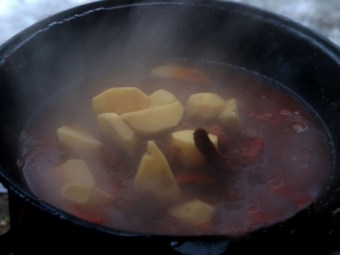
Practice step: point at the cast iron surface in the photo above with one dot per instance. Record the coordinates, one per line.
(32, 67)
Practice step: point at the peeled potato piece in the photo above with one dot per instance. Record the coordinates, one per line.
(116, 130)
(76, 171)
(154, 175)
(193, 212)
(153, 121)
(186, 151)
(161, 97)
(229, 116)
(204, 106)
(86, 197)
(78, 142)
(180, 73)
(120, 100)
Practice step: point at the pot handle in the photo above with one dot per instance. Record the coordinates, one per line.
(201, 247)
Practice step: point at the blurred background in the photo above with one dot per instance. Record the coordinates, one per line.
(15, 15)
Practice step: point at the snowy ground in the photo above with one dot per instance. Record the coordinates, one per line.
(15, 15)
(321, 16)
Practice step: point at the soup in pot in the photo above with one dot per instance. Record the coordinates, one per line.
(177, 150)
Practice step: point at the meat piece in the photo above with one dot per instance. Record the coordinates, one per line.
(205, 146)
(214, 158)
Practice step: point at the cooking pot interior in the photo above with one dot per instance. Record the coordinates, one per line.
(55, 52)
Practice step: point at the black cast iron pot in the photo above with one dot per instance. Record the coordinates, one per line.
(102, 34)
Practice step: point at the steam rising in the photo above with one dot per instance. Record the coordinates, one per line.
(150, 34)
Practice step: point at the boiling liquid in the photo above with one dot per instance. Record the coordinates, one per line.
(295, 165)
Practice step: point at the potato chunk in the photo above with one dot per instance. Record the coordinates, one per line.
(120, 100)
(184, 144)
(117, 131)
(154, 175)
(229, 116)
(193, 212)
(180, 73)
(86, 197)
(78, 142)
(76, 171)
(161, 97)
(153, 121)
(204, 106)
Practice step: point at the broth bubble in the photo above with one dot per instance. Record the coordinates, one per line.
(299, 127)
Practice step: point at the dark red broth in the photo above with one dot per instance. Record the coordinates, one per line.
(279, 164)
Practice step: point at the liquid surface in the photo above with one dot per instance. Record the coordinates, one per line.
(277, 165)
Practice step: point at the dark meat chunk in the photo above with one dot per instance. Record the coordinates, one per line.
(205, 146)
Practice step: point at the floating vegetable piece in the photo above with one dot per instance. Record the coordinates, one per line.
(154, 175)
(78, 142)
(86, 197)
(180, 73)
(193, 212)
(184, 144)
(204, 106)
(76, 171)
(153, 121)
(120, 100)
(229, 116)
(116, 130)
(161, 97)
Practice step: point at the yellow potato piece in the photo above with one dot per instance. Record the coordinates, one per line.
(153, 121)
(180, 73)
(184, 145)
(229, 116)
(204, 106)
(78, 142)
(117, 131)
(161, 97)
(193, 212)
(154, 175)
(120, 100)
(76, 171)
(86, 197)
